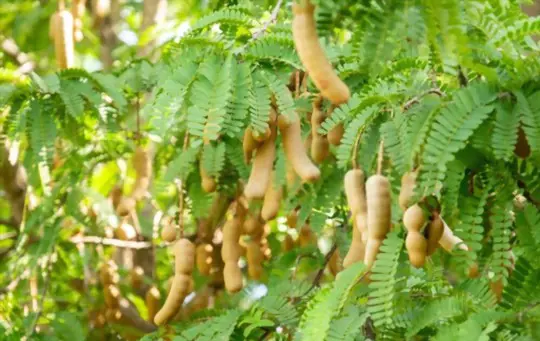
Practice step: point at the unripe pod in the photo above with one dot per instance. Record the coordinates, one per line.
(414, 218)
(356, 250)
(435, 231)
(261, 171)
(152, 299)
(125, 206)
(406, 193)
(184, 256)
(295, 151)
(312, 55)
(168, 233)
(355, 191)
(416, 246)
(272, 201)
(233, 277)
(336, 134)
(182, 285)
(204, 258)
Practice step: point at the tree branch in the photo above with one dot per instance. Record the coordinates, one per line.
(120, 243)
(11, 49)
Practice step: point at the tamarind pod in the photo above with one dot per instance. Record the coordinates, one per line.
(108, 273)
(142, 162)
(334, 263)
(416, 246)
(249, 144)
(253, 225)
(101, 8)
(125, 206)
(372, 249)
(180, 288)
(54, 22)
(406, 192)
(204, 258)
(208, 183)
(152, 299)
(287, 244)
(361, 225)
(125, 231)
(116, 196)
(112, 295)
(449, 240)
(233, 277)
(378, 206)
(290, 175)
(168, 233)
(140, 188)
(312, 55)
(320, 149)
(357, 248)
(231, 250)
(306, 236)
(435, 231)
(271, 203)
(355, 191)
(63, 39)
(414, 218)
(168, 284)
(307, 143)
(77, 11)
(292, 219)
(335, 134)
(296, 152)
(255, 258)
(260, 175)
(136, 277)
(261, 137)
(184, 256)
(216, 280)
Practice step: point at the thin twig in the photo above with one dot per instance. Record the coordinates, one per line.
(115, 242)
(273, 19)
(416, 99)
(181, 195)
(318, 276)
(380, 157)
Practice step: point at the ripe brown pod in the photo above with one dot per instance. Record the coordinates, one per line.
(295, 150)
(272, 201)
(288, 243)
(335, 134)
(355, 191)
(416, 246)
(181, 286)
(125, 206)
(406, 193)
(255, 258)
(253, 225)
(357, 248)
(184, 256)
(306, 236)
(142, 162)
(231, 250)
(62, 26)
(152, 299)
(112, 295)
(261, 171)
(261, 137)
(116, 196)
(320, 148)
(312, 55)
(125, 231)
(334, 263)
(204, 258)
(378, 215)
(208, 183)
(414, 218)
(434, 233)
(168, 232)
(292, 219)
(249, 144)
(136, 277)
(233, 277)
(108, 273)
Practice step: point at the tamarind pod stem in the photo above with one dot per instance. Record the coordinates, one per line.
(272, 201)
(335, 134)
(449, 240)
(179, 290)
(63, 39)
(259, 179)
(184, 256)
(296, 152)
(406, 192)
(355, 191)
(312, 55)
(416, 246)
(233, 277)
(152, 299)
(249, 144)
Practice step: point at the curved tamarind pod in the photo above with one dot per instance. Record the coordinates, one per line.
(261, 137)
(204, 258)
(320, 149)
(233, 277)
(272, 201)
(125, 206)
(312, 55)
(406, 193)
(296, 152)
(334, 263)
(249, 144)
(335, 134)
(108, 273)
(290, 175)
(168, 233)
(261, 171)
(416, 246)
(180, 288)
(231, 250)
(414, 218)
(136, 277)
(208, 183)
(63, 39)
(184, 256)
(378, 215)
(357, 248)
(434, 233)
(449, 240)
(125, 231)
(255, 257)
(152, 299)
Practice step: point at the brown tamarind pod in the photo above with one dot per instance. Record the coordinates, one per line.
(140, 188)
(416, 246)
(108, 273)
(378, 215)
(233, 277)
(255, 257)
(261, 170)
(335, 134)
(355, 191)
(320, 147)
(290, 175)
(249, 144)
(125, 231)
(204, 258)
(77, 11)
(434, 233)
(184, 256)
(306, 236)
(208, 183)
(126, 206)
(295, 151)
(112, 295)
(181, 286)
(62, 26)
(116, 196)
(136, 277)
(287, 244)
(253, 225)
(261, 137)
(334, 263)
(406, 193)
(414, 218)
(152, 299)
(231, 250)
(168, 232)
(357, 248)
(142, 162)
(292, 219)
(272, 201)
(101, 8)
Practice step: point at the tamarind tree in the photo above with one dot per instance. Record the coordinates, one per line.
(269, 170)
